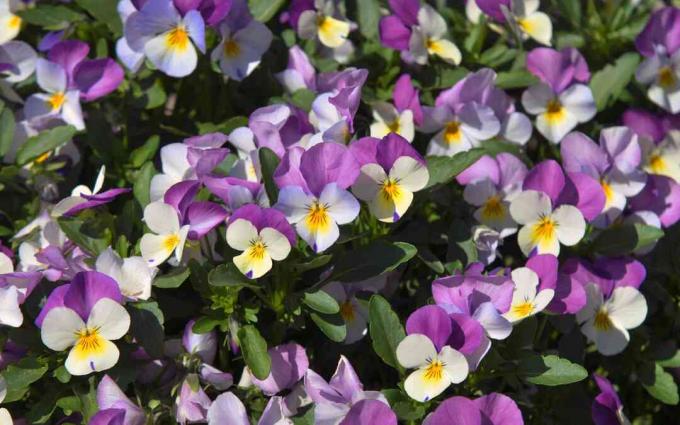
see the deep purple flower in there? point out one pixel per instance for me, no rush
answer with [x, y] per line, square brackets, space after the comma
[607, 408]
[111, 397]
[289, 365]
[492, 409]
[662, 30]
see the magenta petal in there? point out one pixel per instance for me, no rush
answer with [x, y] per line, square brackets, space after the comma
[558, 69]
[110, 396]
[223, 187]
[493, 8]
[624, 271]
[473, 88]
[321, 391]
[431, 321]
[345, 380]
[265, 217]
[662, 29]
[55, 299]
[512, 172]
[267, 136]
[203, 345]
[87, 288]
[584, 192]
[208, 140]
[393, 147]
[606, 404]
[97, 78]
[202, 217]
[288, 172]
[108, 417]
[486, 167]
[183, 6]
[466, 333]
[181, 194]
[581, 154]
[645, 124]
[545, 266]
[394, 34]
[499, 409]
[570, 296]
[456, 411]
[662, 196]
[327, 163]
[406, 10]
[365, 150]
[68, 54]
[546, 177]
[405, 96]
[289, 365]
[97, 200]
[26, 281]
[204, 161]
[370, 412]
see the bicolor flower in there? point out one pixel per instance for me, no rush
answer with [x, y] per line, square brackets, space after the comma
[607, 408]
[527, 299]
[17, 61]
[200, 216]
[614, 303]
[614, 163]
[165, 37]
[560, 101]
[82, 197]
[486, 240]
[10, 23]
[263, 235]
[437, 364]
[391, 171]
[491, 184]
[525, 19]
[85, 316]
[663, 158]
[133, 275]
[240, 50]
[323, 23]
[236, 192]
[544, 228]
[167, 236]
[299, 73]
[334, 400]
[314, 192]
[58, 101]
[388, 120]
[176, 168]
[115, 406]
[15, 287]
[491, 409]
[428, 38]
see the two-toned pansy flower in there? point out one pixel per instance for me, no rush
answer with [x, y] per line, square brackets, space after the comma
[391, 171]
[400, 117]
[528, 297]
[240, 50]
[561, 100]
[165, 37]
[314, 193]
[17, 61]
[263, 235]
[323, 23]
[167, 237]
[83, 197]
[426, 348]
[133, 274]
[85, 316]
[10, 23]
[15, 287]
[522, 16]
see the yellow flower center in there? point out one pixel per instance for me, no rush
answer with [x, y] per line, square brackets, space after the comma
[317, 217]
[554, 111]
[434, 371]
[42, 158]
[390, 190]
[56, 100]
[525, 25]
[394, 126]
[608, 192]
[657, 165]
[544, 230]
[14, 22]
[493, 208]
[231, 48]
[452, 132]
[524, 309]
[170, 242]
[602, 321]
[88, 342]
[347, 311]
[666, 77]
[177, 38]
[257, 250]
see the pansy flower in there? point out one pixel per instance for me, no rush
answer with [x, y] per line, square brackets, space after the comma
[561, 100]
[9, 22]
[391, 171]
[82, 197]
[660, 198]
[167, 236]
[229, 409]
[175, 168]
[192, 403]
[400, 117]
[426, 348]
[522, 16]
[200, 216]
[614, 163]
[236, 192]
[491, 409]
[322, 22]
[17, 61]
[314, 192]
[333, 400]
[263, 235]
[240, 50]
[490, 184]
[85, 315]
[530, 298]
[15, 287]
[299, 73]
[607, 408]
[115, 406]
[165, 37]
[133, 275]
[614, 303]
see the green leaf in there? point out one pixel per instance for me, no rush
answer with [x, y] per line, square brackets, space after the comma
[572, 10]
[228, 275]
[205, 324]
[142, 184]
[255, 351]
[443, 169]
[92, 235]
[515, 79]
[147, 329]
[264, 10]
[303, 99]
[43, 409]
[659, 383]
[51, 17]
[673, 361]
[497, 55]
[550, 370]
[332, 325]
[7, 127]
[475, 40]
[268, 163]
[62, 374]
[372, 260]
[105, 12]
[405, 407]
[146, 152]
[321, 302]
[608, 83]
[149, 94]
[368, 15]
[19, 376]
[314, 263]
[625, 239]
[44, 142]
[385, 329]
[225, 127]
[174, 279]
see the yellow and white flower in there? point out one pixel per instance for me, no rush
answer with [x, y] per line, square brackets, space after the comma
[526, 301]
[167, 237]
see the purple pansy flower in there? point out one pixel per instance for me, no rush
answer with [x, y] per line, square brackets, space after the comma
[492, 409]
[400, 117]
[522, 16]
[660, 197]
[15, 287]
[82, 197]
[607, 408]
[111, 398]
[370, 412]
[200, 216]
[192, 402]
[227, 409]
[534, 287]
[289, 365]
[299, 73]
[236, 192]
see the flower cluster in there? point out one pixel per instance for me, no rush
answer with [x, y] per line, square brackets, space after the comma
[349, 213]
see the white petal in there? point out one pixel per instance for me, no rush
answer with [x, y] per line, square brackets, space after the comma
[446, 50]
[535, 99]
[156, 249]
[368, 183]
[71, 111]
[578, 101]
[227, 409]
[252, 266]
[182, 235]
[529, 206]
[66, 204]
[160, 183]
[538, 26]
[415, 350]
[161, 218]
[594, 300]
[241, 233]
[78, 363]
[342, 205]
[526, 282]
[333, 32]
[293, 203]
[609, 342]
[319, 239]
[455, 364]
[479, 192]
[136, 278]
[516, 128]
[6, 265]
[542, 299]
[478, 122]
[571, 226]
[174, 160]
[278, 246]
[406, 126]
[174, 61]
[627, 307]
[109, 263]
[10, 25]
[555, 126]
[51, 76]
[411, 174]
[59, 328]
[10, 313]
[111, 318]
[495, 325]
[431, 22]
[422, 388]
